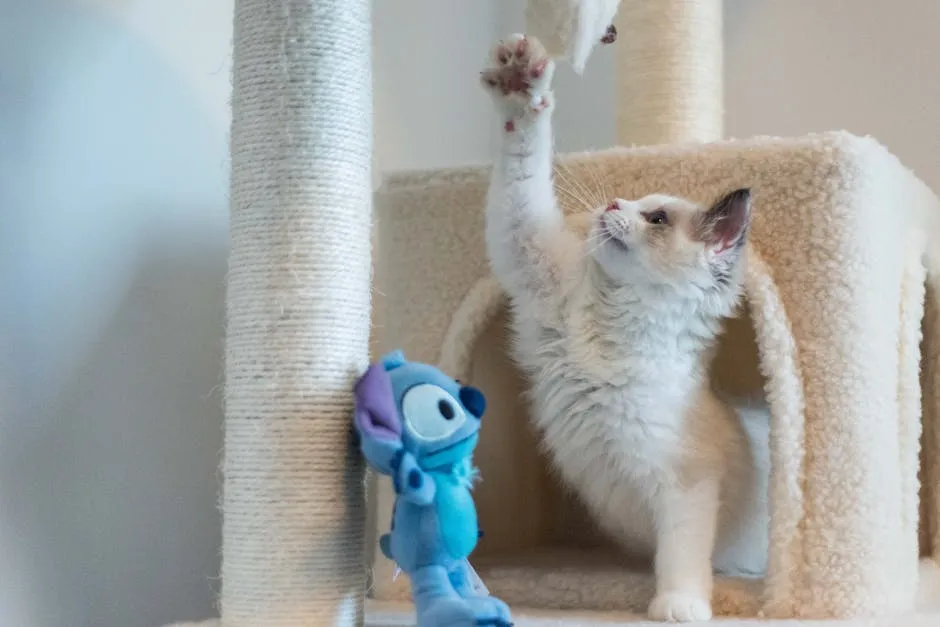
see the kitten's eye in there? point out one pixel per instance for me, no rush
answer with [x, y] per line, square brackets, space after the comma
[657, 217]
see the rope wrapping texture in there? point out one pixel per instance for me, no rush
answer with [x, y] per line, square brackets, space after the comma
[670, 71]
[298, 313]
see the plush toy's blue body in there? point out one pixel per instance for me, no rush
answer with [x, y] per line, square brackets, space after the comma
[420, 427]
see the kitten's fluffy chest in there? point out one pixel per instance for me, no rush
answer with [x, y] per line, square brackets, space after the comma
[634, 344]
[639, 376]
[613, 380]
[625, 421]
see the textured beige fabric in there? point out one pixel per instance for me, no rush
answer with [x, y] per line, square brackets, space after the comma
[670, 74]
[835, 297]
[298, 313]
[926, 613]
[393, 619]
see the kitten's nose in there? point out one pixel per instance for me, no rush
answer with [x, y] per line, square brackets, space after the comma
[612, 206]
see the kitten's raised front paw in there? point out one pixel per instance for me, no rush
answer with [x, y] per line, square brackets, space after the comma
[679, 607]
[520, 76]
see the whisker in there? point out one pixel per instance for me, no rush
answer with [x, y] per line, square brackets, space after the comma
[594, 235]
[600, 198]
[593, 170]
[590, 251]
[594, 239]
[573, 191]
[572, 182]
[573, 198]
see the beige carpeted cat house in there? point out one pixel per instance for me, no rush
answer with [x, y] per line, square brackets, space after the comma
[831, 332]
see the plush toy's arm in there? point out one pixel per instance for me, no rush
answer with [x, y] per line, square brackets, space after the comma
[411, 483]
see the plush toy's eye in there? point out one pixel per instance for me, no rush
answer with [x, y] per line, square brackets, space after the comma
[446, 409]
[431, 413]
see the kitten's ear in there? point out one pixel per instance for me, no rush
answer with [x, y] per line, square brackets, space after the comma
[724, 226]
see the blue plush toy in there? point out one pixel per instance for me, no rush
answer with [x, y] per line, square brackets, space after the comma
[420, 427]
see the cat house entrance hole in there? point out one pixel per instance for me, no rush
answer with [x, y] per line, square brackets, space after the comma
[540, 547]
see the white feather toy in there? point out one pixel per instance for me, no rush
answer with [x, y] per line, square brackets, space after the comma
[569, 29]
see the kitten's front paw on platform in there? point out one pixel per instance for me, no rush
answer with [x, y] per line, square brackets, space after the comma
[520, 76]
[679, 607]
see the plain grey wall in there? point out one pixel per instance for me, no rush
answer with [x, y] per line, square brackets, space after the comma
[113, 192]
[113, 239]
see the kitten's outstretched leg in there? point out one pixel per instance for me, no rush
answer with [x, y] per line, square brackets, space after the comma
[686, 525]
[525, 234]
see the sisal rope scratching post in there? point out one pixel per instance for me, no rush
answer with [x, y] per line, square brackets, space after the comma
[298, 313]
[670, 71]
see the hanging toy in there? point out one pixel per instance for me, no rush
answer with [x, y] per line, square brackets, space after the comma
[420, 427]
[569, 29]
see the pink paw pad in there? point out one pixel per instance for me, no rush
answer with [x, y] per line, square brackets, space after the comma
[510, 126]
[538, 68]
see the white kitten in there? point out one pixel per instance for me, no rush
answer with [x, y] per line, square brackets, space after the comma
[615, 336]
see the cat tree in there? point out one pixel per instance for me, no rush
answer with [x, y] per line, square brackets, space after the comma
[831, 334]
[832, 331]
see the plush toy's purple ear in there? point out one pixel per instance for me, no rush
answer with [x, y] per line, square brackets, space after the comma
[376, 415]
